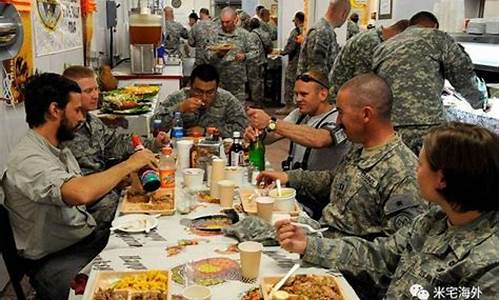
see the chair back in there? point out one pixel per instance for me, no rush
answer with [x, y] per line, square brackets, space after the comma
[16, 265]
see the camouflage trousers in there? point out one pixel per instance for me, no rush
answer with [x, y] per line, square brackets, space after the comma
[104, 210]
[235, 84]
[255, 75]
[413, 136]
[290, 76]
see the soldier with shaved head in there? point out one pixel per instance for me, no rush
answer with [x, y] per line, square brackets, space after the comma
[372, 192]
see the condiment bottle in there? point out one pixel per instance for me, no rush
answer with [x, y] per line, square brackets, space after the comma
[149, 177]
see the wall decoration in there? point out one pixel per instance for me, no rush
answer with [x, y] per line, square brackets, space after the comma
[58, 26]
[385, 9]
[16, 70]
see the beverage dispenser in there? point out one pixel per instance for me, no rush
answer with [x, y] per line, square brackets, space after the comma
[145, 37]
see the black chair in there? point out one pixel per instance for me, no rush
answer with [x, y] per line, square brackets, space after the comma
[16, 265]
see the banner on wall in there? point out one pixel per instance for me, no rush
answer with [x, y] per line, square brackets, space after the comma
[58, 26]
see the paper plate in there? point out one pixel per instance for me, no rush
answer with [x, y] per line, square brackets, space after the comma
[134, 223]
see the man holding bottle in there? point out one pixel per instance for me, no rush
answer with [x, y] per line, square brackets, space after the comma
[310, 127]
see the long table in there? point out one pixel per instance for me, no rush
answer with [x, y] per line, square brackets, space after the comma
[142, 251]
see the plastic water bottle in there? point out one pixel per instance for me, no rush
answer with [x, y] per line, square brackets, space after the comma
[149, 178]
[167, 168]
[177, 131]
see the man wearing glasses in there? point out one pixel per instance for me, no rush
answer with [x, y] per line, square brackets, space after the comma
[310, 127]
[203, 105]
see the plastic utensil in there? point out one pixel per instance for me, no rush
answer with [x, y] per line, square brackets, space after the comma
[309, 228]
[284, 279]
[278, 186]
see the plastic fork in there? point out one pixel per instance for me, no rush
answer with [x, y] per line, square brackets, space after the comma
[309, 228]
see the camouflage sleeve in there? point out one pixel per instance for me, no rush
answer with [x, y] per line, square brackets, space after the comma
[459, 70]
[251, 49]
[116, 145]
[487, 282]
[403, 205]
[317, 51]
[314, 183]
[191, 36]
[167, 108]
[341, 71]
[235, 117]
[183, 32]
[291, 45]
[359, 260]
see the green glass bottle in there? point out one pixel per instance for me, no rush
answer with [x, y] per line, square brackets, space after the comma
[257, 153]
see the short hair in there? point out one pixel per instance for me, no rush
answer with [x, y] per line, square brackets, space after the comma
[193, 15]
[254, 23]
[228, 10]
[300, 15]
[205, 72]
[41, 90]
[424, 17]
[354, 17]
[204, 11]
[264, 11]
[78, 72]
[170, 8]
[371, 89]
[319, 76]
[258, 8]
[467, 156]
[400, 25]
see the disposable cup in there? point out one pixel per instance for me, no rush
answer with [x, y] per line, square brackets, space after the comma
[183, 150]
[226, 190]
[196, 292]
[250, 253]
[193, 177]
[285, 202]
[234, 174]
[265, 208]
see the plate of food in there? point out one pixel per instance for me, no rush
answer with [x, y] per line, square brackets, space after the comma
[142, 90]
[253, 294]
[221, 47]
[134, 223]
[139, 109]
[162, 201]
[209, 271]
[211, 222]
[305, 287]
[152, 284]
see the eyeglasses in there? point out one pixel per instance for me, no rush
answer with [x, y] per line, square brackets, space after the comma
[309, 78]
[199, 93]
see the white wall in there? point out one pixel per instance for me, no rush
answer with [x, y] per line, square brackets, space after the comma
[249, 6]
[404, 9]
[491, 8]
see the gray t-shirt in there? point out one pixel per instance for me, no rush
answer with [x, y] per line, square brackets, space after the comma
[42, 222]
[319, 159]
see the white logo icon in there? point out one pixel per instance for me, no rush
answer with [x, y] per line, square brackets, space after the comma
[418, 291]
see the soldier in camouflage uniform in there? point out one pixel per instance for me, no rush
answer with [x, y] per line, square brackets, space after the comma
[96, 146]
[265, 17]
[292, 49]
[204, 105]
[173, 32]
[352, 26]
[243, 20]
[415, 63]
[231, 64]
[372, 192]
[256, 67]
[200, 36]
[357, 54]
[320, 47]
[450, 252]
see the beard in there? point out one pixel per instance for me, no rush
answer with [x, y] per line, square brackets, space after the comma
[65, 132]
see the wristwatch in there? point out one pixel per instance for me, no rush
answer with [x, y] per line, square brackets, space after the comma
[272, 125]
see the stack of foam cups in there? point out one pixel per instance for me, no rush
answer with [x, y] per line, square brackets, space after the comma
[216, 176]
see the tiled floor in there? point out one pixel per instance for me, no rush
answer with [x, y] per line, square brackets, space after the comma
[275, 153]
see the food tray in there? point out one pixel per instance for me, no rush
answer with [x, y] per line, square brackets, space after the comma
[130, 206]
[106, 280]
[250, 206]
[267, 283]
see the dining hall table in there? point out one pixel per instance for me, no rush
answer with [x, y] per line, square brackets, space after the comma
[148, 251]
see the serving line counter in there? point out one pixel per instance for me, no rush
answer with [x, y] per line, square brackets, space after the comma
[169, 80]
[145, 251]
